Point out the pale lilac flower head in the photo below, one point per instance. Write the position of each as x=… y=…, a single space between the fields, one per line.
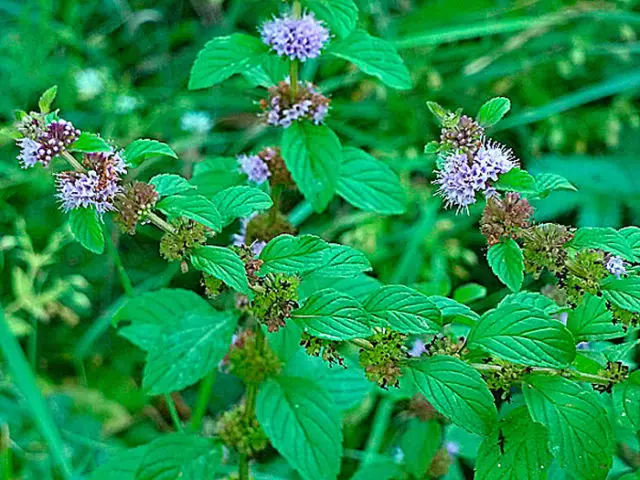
x=57 y=136
x=495 y=159
x=28 y=155
x=255 y=168
x=417 y=349
x=296 y=38
x=616 y=266
x=281 y=110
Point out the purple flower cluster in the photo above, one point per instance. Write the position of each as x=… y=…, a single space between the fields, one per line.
x=48 y=143
x=616 y=266
x=282 y=111
x=256 y=169
x=96 y=188
x=239 y=239
x=296 y=38
x=462 y=176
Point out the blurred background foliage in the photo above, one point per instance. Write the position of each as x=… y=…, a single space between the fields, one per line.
x=571 y=70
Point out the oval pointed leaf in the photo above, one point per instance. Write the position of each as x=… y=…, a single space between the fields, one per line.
x=404 y=309
x=626 y=401
x=340 y=15
x=223 y=57
x=580 y=435
x=194 y=207
x=90 y=142
x=169 y=184
x=303 y=424
x=373 y=56
x=623 y=292
x=142 y=149
x=492 y=111
x=592 y=320
x=294 y=255
x=340 y=261
x=457 y=391
x=369 y=184
x=223 y=264
x=240 y=202
x=603 y=238
x=507 y=262
x=87 y=229
x=524 y=335
x=313 y=155
x=332 y=315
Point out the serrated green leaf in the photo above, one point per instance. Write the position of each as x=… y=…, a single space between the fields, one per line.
x=524 y=335
x=457 y=391
x=240 y=202
x=550 y=182
x=493 y=110
x=632 y=235
x=271 y=70
x=404 y=309
x=340 y=15
x=603 y=238
x=47 y=98
x=623 y=292
x=89 y=143
x=294 y=255
x=450 y=308
x=580 y=435
x=340 y=261
x=223 y=57
x=332 y=315
x=373 y=56
x=223 y=264
x=626 y=401
x=179 y=455
x=591 y=320
x=87 y=229
x=369 y=184
x=187 y=350
x=313 y=155
x=507 y=262
x=216 y=174
x=532 y=299
x=170 y=184
x=122 y=465
x=139 y=150
x=439 y=112
x=419 y=444
x=516 y=449
x=303 y=424
x=195 y=207
x=517 y=180
x=357 y=286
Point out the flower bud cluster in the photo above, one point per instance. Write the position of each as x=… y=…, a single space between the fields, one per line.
x=251 y=359
x=325 y=349
x=242 y=433
x=275 y=297
x=282 y=108
x=41 y=143
x=135 y=205
x=505 y=218
x=382 y=363
x=503 y=380
x=616 y=372
x=188 y=235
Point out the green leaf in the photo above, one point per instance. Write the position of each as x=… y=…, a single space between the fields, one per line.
x=524 y=335
x=517 y=180
x=179 y=455
x=150 y=312
x=140 y=150
x=450 y=308
x=469 y=293
x=271 y=70
x=603 y=238
x=515 y=449
x=47 y=99
x=87 y=229
x=303 y=424
x=340 y=15
x=532 y=299
x=216 y=174
x=293 y=255
x=623 y=292
x=419 y=443
x=240 y=202
x=332 y=315
x=169 y=184
x=373 y=56
x=122 y=465
x=89 y=143
x=187 y=350
x=440 y=113
x=492 y=111
x=507 y=262
x=626 y=401
x=340 y=261
x=580 y=435
x=222 y=263
x=632 y=235
x=457 y=391
x=380 y=468
x=550 y=182
x=404 y=309
x=369 y=184
x=313 y=155
x=223 y=57
x=195 y=207
x=591 y=320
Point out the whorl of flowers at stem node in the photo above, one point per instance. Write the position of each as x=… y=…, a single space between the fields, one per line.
x=507 y=217
x=464 y=135
x=240 y=239
x=264 y=227
x=275 y=297
x=382 y=363
x=544 y=247
x=440 y=464
x=97 y=187
x=325 y=349
x=296 y=38
x=251 y=361
x=616 y=372
x=585 y=271
x=242 y=433
x=254 y=167
x=280 y=174
x=281 y=110
x=42 y=143
x=188 y=235
x=501 y=381
x=616 y=266
x=134 y=205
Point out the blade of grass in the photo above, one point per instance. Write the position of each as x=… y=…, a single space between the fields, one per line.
x=26 y=382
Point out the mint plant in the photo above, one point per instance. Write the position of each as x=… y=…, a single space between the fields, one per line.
x=295 y=317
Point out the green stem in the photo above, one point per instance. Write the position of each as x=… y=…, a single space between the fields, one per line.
x=204 y=394
x=578 y=376
x=173 y=412
x=122 y=273
x=32 y=346
x=273 y=213
x=381 y=421
x=293 y=79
